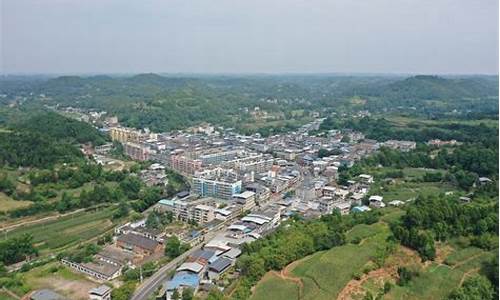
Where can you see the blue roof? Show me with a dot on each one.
(183, 279)
(167, 202)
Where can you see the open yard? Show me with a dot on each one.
(67, 231)
(59, 278)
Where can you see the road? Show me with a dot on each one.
(150, 285)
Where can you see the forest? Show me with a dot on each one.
(165, 102)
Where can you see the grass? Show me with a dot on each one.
(267, 288)
(59, 278)
(67, 231)
(324, 274)
(7, 203)
(407, 190)
(436, 282)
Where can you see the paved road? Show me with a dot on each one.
(150, 285)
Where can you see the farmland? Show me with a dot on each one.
(68, 230)
(324, 274)
(349, 271)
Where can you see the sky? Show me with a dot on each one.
(252, 36)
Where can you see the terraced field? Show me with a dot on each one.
(338, 272)
(324, 274)
(67, 231)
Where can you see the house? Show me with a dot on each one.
(329, 191)
(465, 199)
(102, 292)
(325, 205)
(342, 207)
(376, 201)
(180, 281)
(138, 244)
(192, 267)
(100, 270)
(46, 294)
(218, 267)
(484, 180)
(365, 178)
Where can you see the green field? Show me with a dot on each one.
(7, 203)
(324, 274)
(67, 231)
(268, 288)
(57, 277)
(408, 190)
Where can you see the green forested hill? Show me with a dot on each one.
(174, 102)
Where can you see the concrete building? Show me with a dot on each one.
(102, 292)
(124, 135)
(137, 151)
(221, 183)
(247, 199)
(185, 164)
(138, 244)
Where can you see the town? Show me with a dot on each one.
(241, 189)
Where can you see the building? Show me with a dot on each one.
(376, 201)
(365, 178)
(100, 270)
(137, 151)
(329, 191)
(124, 135)
(403, 146)
(203, 214)
(247, 199)
(217, 183)
(326, 205)
(262, 193)
(138, 244)
(185, 165)
(342, 207)
(102, 292)
(218, 267)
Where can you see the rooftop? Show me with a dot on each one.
(138, 241)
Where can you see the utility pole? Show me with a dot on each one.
(140, 272)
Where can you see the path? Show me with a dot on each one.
(10, 293)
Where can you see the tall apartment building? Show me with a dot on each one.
(123, 134)
(217, 183)
(184, 164)
(136, 151)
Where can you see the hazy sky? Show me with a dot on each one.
(252, 36)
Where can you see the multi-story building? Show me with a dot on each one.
(217, 183)
(137, 151)
(123, 134)
(247, 199)
(185, 164)
(203, 213)
(219, 157)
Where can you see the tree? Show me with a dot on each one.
(187, 294)
(122, 211)
(131, 187)
(473, 288)
(124, 292)
(175, 295)
(215, 294)
(173, 247)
